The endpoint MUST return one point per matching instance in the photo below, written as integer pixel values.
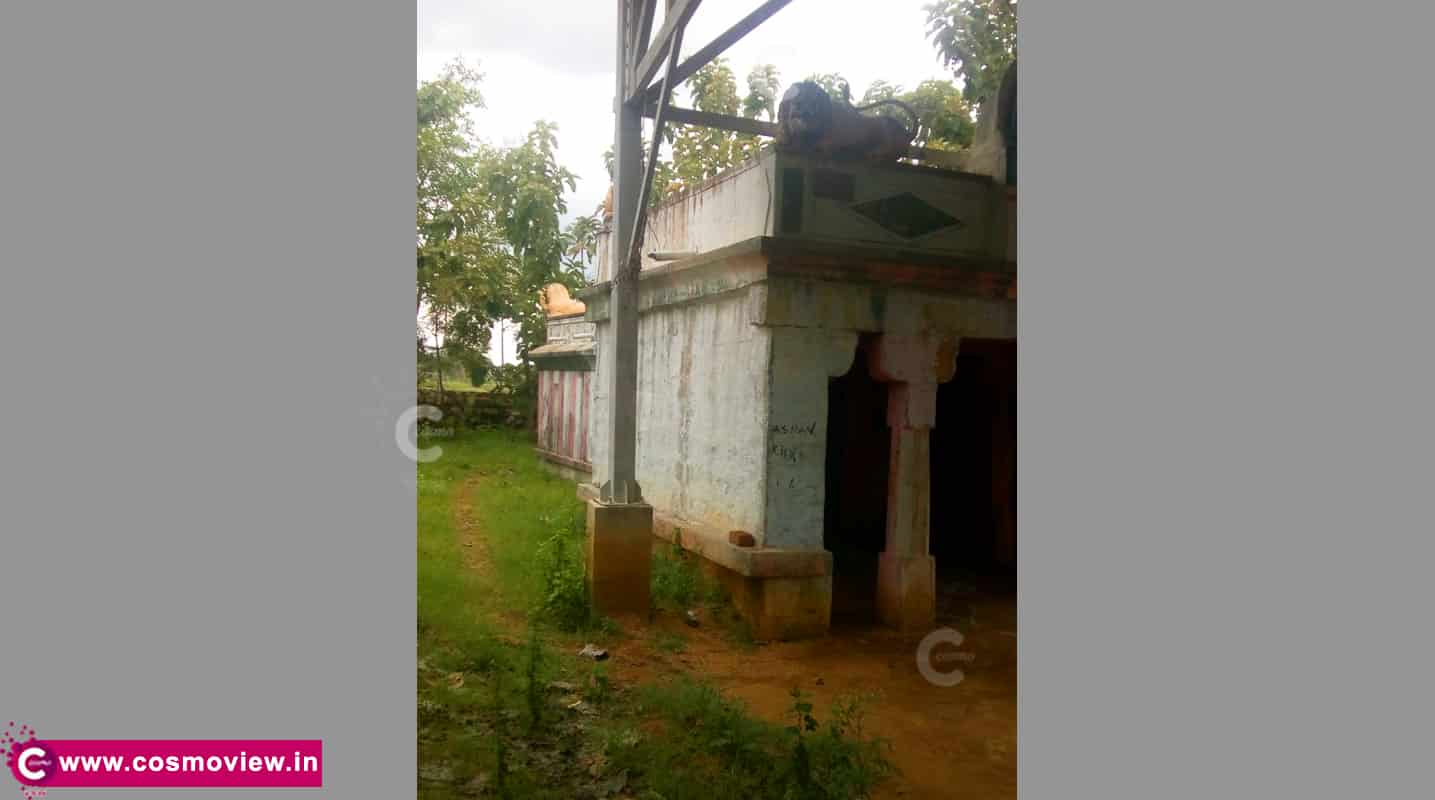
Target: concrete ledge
(750, 562)
(778, 609)
(783, 594)
(713, 545)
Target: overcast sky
(554, 60)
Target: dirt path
(947, 742)
(475, 550)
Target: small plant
(676, 583)
(803, 722)
(598, 689)
(565, 594)
(857, 763)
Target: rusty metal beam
(676, 20)
(715, 48)
(707, 119)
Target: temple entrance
(973, 514)
(973, 472)
(855, 514)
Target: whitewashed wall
(702, 412)
(724, 210)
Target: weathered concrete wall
(702, 400)
(880, 309)
(803, 361)
(731, 207)
(733, 373)
(814, 328)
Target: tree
(488, 231)
(944, 119)
(665, 178)
(525, 187)
(837, 87)
(459, 255)
(761, 99)
(700, 153)
(977, 38)
(581, 239)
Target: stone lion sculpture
(557, 302)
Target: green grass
(527, 519)
(516, 708)
(677, 583)
(477, 687)
(711, 748)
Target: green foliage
(711, 748)
(524, 507)
(837, 87)
(977, 38)
(581, 241)
(598, 689)
(700, 153)
(565, 593)
(487, 227)
(500, 737)
(944, 119)
(803, 722)
(476, 687)
(761, 99)
(519, 383)
(675, 583)
(526, 184)
(459, 256)
(665, 177)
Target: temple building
(826, 381)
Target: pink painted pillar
(906, 577)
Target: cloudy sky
(554, 60)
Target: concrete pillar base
(620, 561)
(907, 592)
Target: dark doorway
(855, 513)
(973, 516)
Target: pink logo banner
(164, 763)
